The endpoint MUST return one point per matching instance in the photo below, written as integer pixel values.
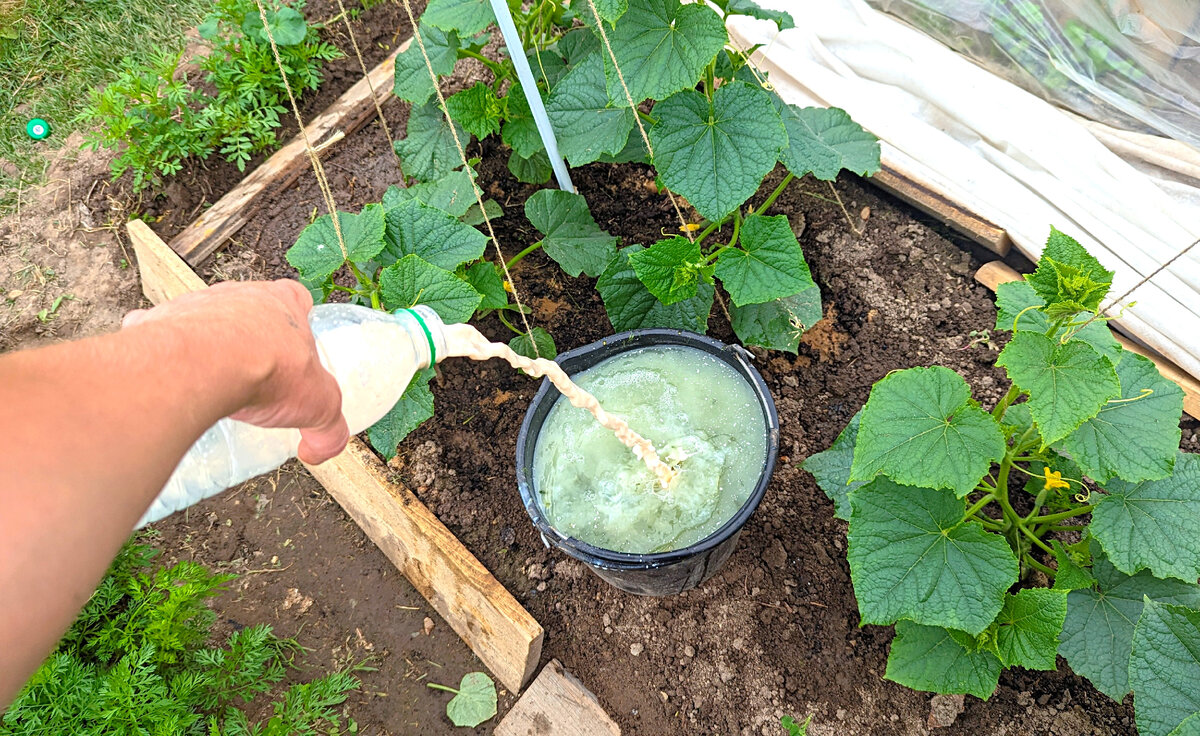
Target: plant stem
(978, 505)
(990, 523)
(770, 200)
(1051, 518)
(497, 69)
(1011, 396)
(1034, 538)
(1034, 563)
(647, 118)
(515, 259)
(709, 230)
(436, 686)
(1068, 528)
(375, 300)
(508, 324)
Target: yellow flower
(1054, 480)
(690, 227)
(508, 287)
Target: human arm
(93, 429)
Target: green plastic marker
(37, 129)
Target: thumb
(135, 317)
(318, 444)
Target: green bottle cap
(37, 129)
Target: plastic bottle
(373, 355)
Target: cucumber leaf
(1164, 668)
(587, 124)
(427, 150)
(781, 18)
(1068, 383)
(572, 237)
(451, 194)
(661, 47)
(717, 154)
(412, 280)
(1070, 574)
(768, 265)
(430, 233)
(824, 140)
(522, 345)
(913, 557)
(1154, 524)
(476, 109)
(831, 468)
(932, 659)
(533, 170)
(1028, 626)
(779, 323)
(483, 278)
(468, 17)
(1138, 438)
(921, 427)
(671, 269)
(317, 254)
(411, 81)
(520, 131)
(1097, 635)
(1014, 297)
(631, 306)
(1068, 278)
(475, 701)
(410, 412)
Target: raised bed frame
(488, 618)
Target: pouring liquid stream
(465, 341)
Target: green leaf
(662, 47)
(781, 18)
(1098, 632)
(572, 237)
(1068, 278)
(1154, 524)
(1014, 297)
(586, 123)
(522, 345)
(611, 10)
(921, 427)
(208, 29)
(634, 151)
(1028, 627)
(779, 323)
(483, 278)
(768, 265)
(631, 306)
(1067, 383)
(1164, 668)
(411, 81)
(1189, 727)
(287, 26)
(475, 701)
(577, 45)
(411, 281)
(317, 254)
(476, 109)
(824, 140)
(913, 557)
(1070, 575)
(831, 468)
(437, 237)
(520, 131)
(410, 412)
(428, 149)
(474, 215)
(1137, 438)
(717, 154)
(533, 170)
(671, 269)
(451, 194)
(932, 659)
(468, 17)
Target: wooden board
(557, 704)
(492, 623)
(995, 273)
(349, 113)
(987, 234)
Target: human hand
(260, 328)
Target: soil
(775, 633)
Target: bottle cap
(37, 129)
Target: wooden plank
(347, 114)
(458, 586)
(492, 623)
(164, 274)
(995, 273)
(988, 234)
(557, 704)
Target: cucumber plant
(715, 129)
(1064, 521)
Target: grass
(52, 52)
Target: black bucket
(659, 573)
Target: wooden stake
(492, 623)
(557, 704)
(995, 273)
(349, 113)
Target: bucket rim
(733, 354)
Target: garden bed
(776, 632)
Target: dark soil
(776, 632)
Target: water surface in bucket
(699, 413)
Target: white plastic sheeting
(996, 150)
